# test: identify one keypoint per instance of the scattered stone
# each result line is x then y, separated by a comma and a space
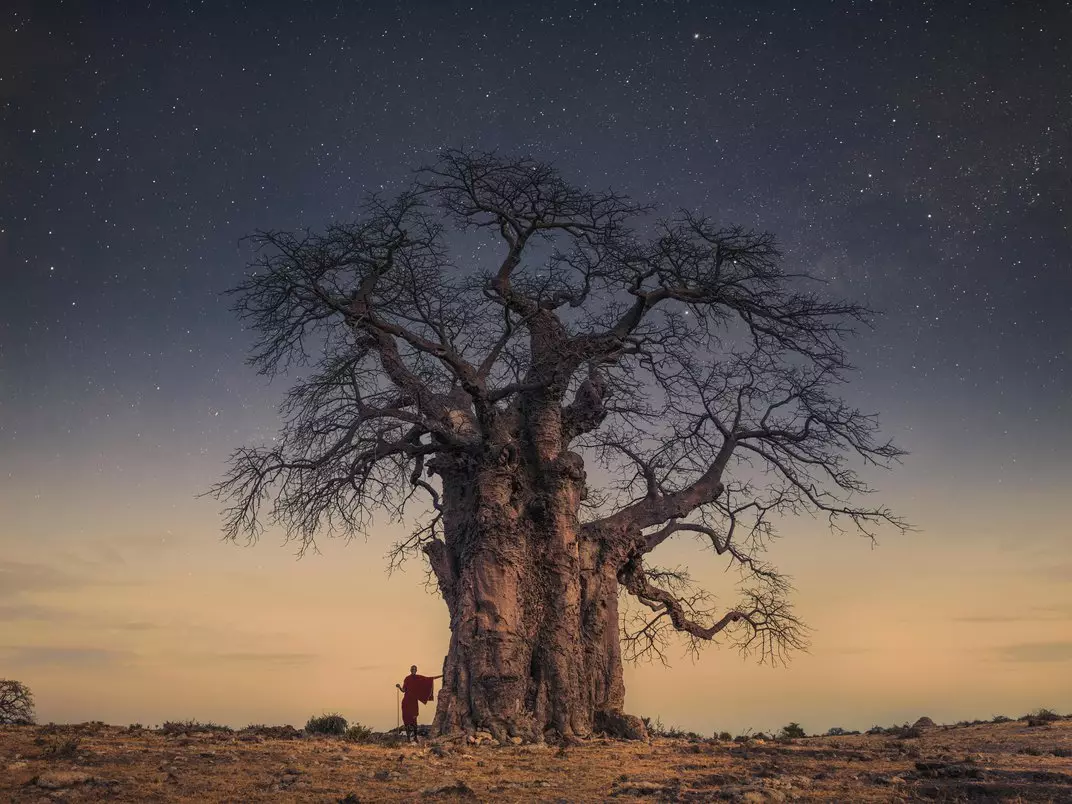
516, 740
619, 724
752, 794
458, 789
57, 780
640, 789
948, 770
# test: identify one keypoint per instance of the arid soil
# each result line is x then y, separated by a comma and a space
1012, 761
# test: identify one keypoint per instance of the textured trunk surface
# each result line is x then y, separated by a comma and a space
534, 648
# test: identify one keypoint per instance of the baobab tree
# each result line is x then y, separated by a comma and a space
584, 384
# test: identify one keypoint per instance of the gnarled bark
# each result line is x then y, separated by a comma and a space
534, 643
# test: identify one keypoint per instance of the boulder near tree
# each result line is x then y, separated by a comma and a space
553, 383
16, 703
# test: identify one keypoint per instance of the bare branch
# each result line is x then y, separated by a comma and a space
763, 622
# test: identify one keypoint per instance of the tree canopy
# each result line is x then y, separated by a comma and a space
693, 382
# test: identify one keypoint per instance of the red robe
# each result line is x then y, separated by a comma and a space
414, 688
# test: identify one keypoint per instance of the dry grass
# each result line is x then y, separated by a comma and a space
1009, 761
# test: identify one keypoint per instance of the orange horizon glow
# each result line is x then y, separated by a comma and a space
106, 618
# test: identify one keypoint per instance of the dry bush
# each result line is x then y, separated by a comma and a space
61, 748
333, 723
285, 732
193, 727
1042, 715
358, 734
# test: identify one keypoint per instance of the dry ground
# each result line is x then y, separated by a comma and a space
92, 762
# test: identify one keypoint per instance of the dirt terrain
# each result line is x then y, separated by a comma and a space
1011, 761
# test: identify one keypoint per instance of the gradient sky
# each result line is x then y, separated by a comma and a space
915, 154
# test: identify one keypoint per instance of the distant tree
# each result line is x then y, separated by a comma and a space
16, 703
565, 408
791, 731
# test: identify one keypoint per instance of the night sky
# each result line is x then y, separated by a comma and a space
915, 155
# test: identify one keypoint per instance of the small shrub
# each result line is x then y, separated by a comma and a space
333, 723
875, 730
64, 748
759, 735
725, 736
655, 727
16, 703
836, 731
674, 733
176, 727
1062, 752
286, 732
1000, 719
358, 733
133, 728
792, 731
1044, 715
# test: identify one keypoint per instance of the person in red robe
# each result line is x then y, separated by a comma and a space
415, 689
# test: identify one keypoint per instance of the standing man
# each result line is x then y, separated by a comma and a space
414, 688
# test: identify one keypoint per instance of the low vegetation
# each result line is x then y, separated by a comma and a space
193, 727
191, 761
333, 723
60, 747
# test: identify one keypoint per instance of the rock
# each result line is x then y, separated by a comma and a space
57, 780
484, 736
752, 794
457, 789
924, 723
640, 789
516, 740
619, 724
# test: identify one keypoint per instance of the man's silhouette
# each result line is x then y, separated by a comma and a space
414, 688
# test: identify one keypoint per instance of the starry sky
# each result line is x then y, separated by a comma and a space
915, 155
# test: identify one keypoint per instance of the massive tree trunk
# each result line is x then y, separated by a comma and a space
534, 648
